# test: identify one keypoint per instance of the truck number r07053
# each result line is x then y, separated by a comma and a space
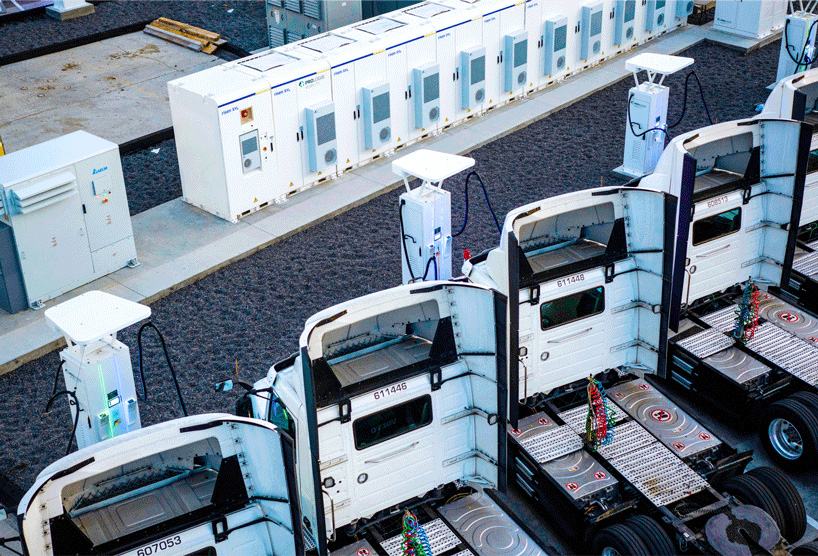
389, 390
571, 280
160, 546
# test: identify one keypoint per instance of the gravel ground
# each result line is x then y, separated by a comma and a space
253, 311
242, 23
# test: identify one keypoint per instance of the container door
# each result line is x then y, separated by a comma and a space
368, 70
346, 116
287, 140
534, 26
397, 75
418, 53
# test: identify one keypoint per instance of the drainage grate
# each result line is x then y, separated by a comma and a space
552, 444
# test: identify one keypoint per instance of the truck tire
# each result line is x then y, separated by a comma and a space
752, 491
806, 549
619, 539
790, 502
655, 538
809, 399
789, 433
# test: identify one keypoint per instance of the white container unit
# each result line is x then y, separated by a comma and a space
354, 63
65, 202
296, 87
750, 18
454, 32
223, 125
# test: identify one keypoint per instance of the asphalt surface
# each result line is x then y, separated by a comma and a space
251, 313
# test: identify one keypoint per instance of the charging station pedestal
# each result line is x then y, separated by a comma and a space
97, 366
426, 214
646, 115
797, 43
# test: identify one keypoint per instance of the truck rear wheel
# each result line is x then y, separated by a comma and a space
750, 490
655, 538
809, 399
790, 502
789, 433
619, 540
807, 549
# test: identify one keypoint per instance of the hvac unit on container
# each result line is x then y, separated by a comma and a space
64, 218
242, 134
625, 22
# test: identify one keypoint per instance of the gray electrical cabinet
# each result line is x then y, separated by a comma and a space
64, 203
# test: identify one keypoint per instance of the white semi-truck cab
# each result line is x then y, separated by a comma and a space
795, 98
743, 341
593, 437
206, 485
396, 402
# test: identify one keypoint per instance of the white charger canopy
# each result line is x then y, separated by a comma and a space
430, 166
94, 315
656, 65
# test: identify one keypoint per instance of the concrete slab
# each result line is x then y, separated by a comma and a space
178, 244
114, 88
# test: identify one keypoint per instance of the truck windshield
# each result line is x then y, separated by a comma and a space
572, 307
280, 417
393, 421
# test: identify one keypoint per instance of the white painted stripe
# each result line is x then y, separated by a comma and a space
21, 8
812, 522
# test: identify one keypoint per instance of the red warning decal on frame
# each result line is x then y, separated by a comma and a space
644, 386
600, 475
516, 432
789, 317
679, 446
572, 486
362, 552
704, 436
543, 421
661, 415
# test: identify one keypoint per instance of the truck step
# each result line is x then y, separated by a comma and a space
706, 343
658, 474
670, 425
441, 538
486, 528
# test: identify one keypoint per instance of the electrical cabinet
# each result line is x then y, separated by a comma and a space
591, 31
624, 19
556, 46
516, 70
65, 203
377, 116
473, 64
750, 18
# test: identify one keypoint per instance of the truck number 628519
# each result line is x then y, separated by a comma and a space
160, 546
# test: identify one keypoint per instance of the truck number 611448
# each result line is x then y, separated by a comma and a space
389, 390
160, 546
571, 280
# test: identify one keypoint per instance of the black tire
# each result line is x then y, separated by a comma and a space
622, 538
789, 500
806, 549
789, 433
809, 399
752, 491
655, 538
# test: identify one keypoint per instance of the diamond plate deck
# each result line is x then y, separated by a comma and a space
737, 365
441, 538
487, 529
723, 320
627, 438
658, 474
706, 343
552, 443
670, 425
806, 264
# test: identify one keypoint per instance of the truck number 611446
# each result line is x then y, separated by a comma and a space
389, 390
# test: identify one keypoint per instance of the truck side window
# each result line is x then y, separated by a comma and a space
713, 227
392, 421
209, 551
280, 417
572, 307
